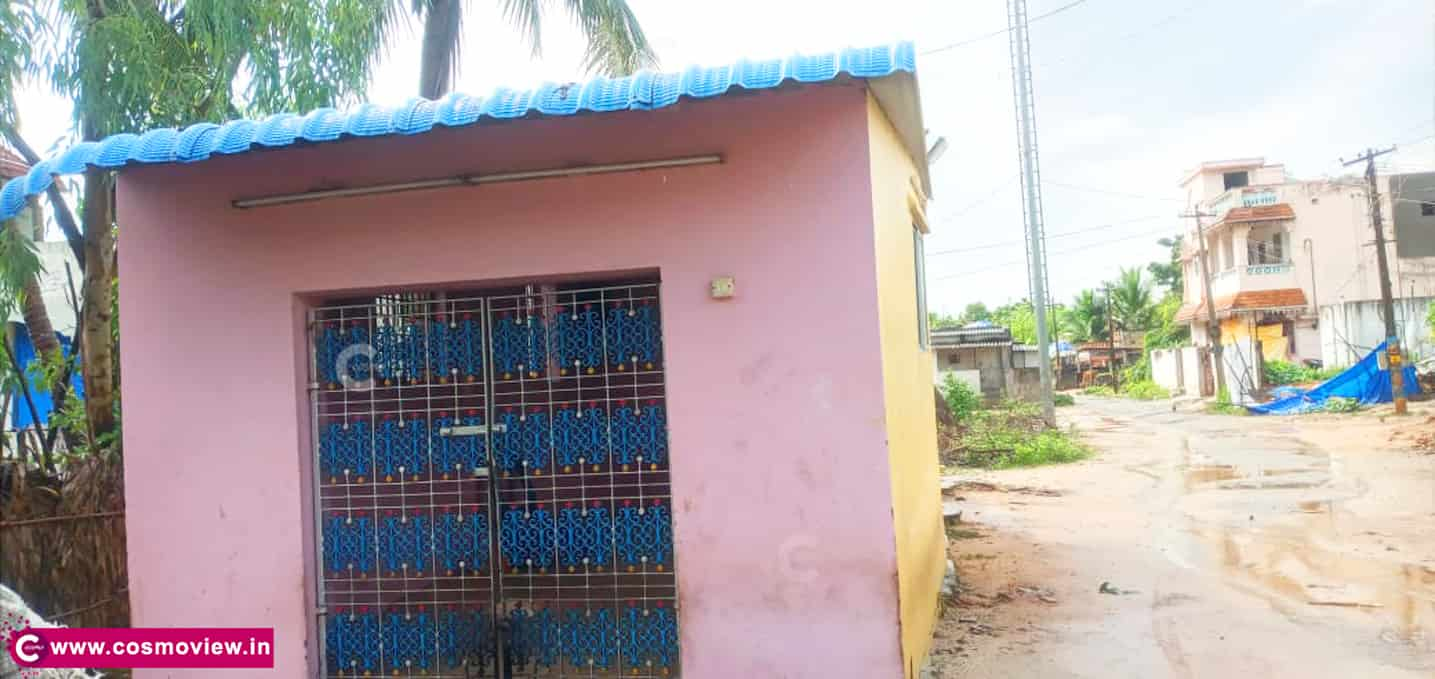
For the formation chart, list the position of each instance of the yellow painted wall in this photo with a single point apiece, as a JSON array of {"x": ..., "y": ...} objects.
[
  {"x": 907, "y": 386},
  {"x": 1274, "y": 345}
]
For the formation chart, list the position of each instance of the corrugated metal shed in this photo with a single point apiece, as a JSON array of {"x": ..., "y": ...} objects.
[
  {"x": 970, "y": 337},
  {"x": 639, "y": 92}
]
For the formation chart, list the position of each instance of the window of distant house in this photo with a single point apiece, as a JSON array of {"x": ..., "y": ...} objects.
[
  {"x": 919, "y": 257},
  {"x": 1427, "y": 209},
  {"x": 1235, "y": 180},
  {"x": 1269, "y": 249}
]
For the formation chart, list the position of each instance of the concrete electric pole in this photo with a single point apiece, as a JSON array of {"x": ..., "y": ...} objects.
[
  {"x": 1031, "y": 195},
  {"x": 1213, "y": 329},
  {"x": 1387, "y": 304},
  {"x": 1111, "y": 343}
]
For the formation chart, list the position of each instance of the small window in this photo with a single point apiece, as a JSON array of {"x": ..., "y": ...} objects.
[
  {"x": 1235, "y": 180},
  {"x": 1427, "y": 209},
  {"x": 919, "y": 255}
]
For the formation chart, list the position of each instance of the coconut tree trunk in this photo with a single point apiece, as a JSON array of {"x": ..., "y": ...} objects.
[
  {"x": 97, "y": 295},
  {"x": 442, "y": 21},
  {"x": 37, "y": 317}
]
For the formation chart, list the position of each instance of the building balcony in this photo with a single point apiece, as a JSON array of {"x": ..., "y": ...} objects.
[
  {"x": 1251, "y": 288},
  {"x": 1254, "y": 277},
  {"x": 1244, "y": 197}
]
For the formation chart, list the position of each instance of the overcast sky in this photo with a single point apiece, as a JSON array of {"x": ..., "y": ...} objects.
[{"x": 1129, "y": 93}]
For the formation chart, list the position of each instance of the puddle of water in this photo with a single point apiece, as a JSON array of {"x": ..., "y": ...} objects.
[
  {"x": 1400, "y": 595},
  {"x": 1210, "y": 473},
  {"x": 1315, "y": 506},
  {"x": 1230, "y": 476}
]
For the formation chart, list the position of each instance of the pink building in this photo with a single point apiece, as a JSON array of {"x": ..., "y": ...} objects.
[{"x": 627, "y": 378}]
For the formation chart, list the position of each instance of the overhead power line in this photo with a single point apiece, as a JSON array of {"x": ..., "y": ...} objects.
[
  {"x": 1073, "y": 232},
  {"x": 980, "y": 201},
  {"x": 1004, "y": 31},
  {"x": 1076, "y": 187},
  {"x": 1068, "y": 251}
]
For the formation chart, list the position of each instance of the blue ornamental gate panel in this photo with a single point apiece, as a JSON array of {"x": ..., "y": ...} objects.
[{"x": 492, "y": 483}]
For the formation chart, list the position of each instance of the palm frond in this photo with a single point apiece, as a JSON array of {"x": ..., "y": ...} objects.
[
  {"x": 527, "y": 17},
  {"x": 616, "y": 43},
  {"x": 19, "y": 264}
]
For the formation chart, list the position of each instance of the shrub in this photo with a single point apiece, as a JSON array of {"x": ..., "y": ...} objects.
[
  {"x": 1139, "y": 371},
  {"x": 961, "y": 397},
  {"x": 1284, "y": 372},
  {"x": 1048, "y": 447},
  {"x": 1099, "y": 390},
  {"x": 1063, "y": 400},
  {"x": 1145, "y": 391}
]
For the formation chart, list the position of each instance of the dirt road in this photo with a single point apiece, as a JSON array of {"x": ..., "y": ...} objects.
[{"x": 1228, "y": 546}]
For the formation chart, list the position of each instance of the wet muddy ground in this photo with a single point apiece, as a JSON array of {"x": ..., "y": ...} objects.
[{"x": 1197, "y": 545}]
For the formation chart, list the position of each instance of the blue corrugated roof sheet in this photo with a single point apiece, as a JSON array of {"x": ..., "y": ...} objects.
[{"x": 639, "y": 92}]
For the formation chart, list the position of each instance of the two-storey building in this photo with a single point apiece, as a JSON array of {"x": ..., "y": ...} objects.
[{"x": 1293, "y": 263}]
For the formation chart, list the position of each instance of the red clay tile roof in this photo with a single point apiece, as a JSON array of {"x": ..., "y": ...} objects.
[
  {"x": 1247, "y": 300},
  {"x": 1259, "y": 213},
  {"x": 11, "y": 165}
]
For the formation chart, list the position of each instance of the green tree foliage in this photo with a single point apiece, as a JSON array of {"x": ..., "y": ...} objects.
[
  {"x": 137, "y": 65},
  {"x": 1086, "y": 320},
  {"x": 1131, "y": 304},
  {"x": 938, "y": 321},
  {"x": 19, "y": 28},
  {"x": 131, "y": 65},
  {"x": 1168, "y": 274},
  {"x": 976, "y": 311},
  {"x": 1165, "y": 332},
  {"x": 1019, "y": 318}
]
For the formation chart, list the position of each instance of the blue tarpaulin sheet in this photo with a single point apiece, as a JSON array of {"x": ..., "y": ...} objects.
[
  {"x": 25, "y": 355},
  {"x": 1365, "y": 382}
]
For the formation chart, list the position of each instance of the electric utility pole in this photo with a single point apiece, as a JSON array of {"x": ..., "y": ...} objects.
[
  {"x": 1111, "y": 343},
  {"x": 1031, "y": 195},
  {"x": 1387, "y": 304},
  {"x": 1213, "y": 329}
]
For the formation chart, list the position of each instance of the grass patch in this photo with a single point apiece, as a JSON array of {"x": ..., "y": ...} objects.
[
  {"x": 1218, "y": 408},
  {"x": 1338, "y": 404},
  {"x": 1223, "y": 405},
  {"x": 1145, "y": 390},
  {"x": 1060, "y": 400},
  {"x": 1141, "y": 390},
  {"x": 963, "y": 534},
  {"x": 1049, "y": 447}
]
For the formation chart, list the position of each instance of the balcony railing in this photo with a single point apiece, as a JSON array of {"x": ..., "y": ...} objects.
[
  {"x": 1254, "y": 277},
  {"x": 1243, "y": 197},
  {"x": 1269, "y": 269}
]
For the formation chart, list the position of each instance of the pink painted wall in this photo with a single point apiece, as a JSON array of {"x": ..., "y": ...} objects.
[{"x": 780, "y": 472}]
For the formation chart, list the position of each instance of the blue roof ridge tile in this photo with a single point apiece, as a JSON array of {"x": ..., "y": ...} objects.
[{"x": 638, "y": 92}]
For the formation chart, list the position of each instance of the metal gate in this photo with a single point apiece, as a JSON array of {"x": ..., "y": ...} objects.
[{"x": 492, "y": 484}]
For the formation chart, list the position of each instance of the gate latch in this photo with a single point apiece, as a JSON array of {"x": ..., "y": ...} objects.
[{"x": 473, "y": 430}]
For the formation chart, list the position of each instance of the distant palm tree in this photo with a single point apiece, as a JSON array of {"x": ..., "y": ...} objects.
[
  {"x": 616, "y": 44},
  {"x": 1086, "y": 320},
  {"x": 1132, "y": 307}
]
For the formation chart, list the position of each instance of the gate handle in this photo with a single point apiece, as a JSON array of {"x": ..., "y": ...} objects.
[{"x": 473, "y": 430}]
